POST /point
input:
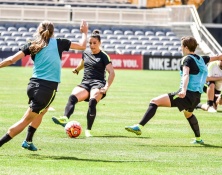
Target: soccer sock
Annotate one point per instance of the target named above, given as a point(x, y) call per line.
point(30, 133)
point(70, 106)
point(91, 115)
point(210, 102)
point(194, 125)
point(149, 114)
point(5, 139)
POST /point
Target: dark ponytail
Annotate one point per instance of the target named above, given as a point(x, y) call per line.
point(96, 34)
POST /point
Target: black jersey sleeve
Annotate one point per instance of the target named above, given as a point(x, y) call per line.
point(206, 59)
point(63, 45)
point(106, 58)
point(25, 49)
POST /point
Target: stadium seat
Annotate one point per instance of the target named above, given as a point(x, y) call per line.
point(176, 53)
point(126, 51)
point(118, 32)
point(2, 28)
point(115, 42)
point(59, 35)
point(162, 48)
point(27, 34)
point(120, 47)
point(22, 29)
point(143, 38)
point(147, 43)
point(173, 48)
point(169, 33)
point(6, 48)
point(5, 33)
point(149, 33)
point(153, 38)
point(128, 32)
point(105, 42)
point(108, 32)
point(166, 53)
point(164, 38)
point(12, 29)
point(136, 52)
point(32, 29)
point(3, 43)
point(135, 42)
point(16, 34)
point(145, 52)
point(174, 38)
point(157, 43)
point(141, 47)
point(64, 30)
point(156, 53)
point(75, 31)
point(122, 37)
point(139, 33)
point(112, 37)
point(160, 33)
point(133, 38)
point(151, 48)
point(125, 42)
point(9, 38)
point(12, 43)
point(167, 43)
point(130, 47)
point(15, 48)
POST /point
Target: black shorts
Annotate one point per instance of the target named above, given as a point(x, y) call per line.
point(188, 103)
point(215, 90)
point(41, 94)
point(93, 84)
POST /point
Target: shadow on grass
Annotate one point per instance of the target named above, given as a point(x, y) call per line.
point(44, 157)
point(112, 136)
point(186, 146)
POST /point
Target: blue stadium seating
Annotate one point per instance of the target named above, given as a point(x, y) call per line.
point(129, 40)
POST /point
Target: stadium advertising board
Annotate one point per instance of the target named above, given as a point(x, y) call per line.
point(6, 54)
point(161, 63)
point(70, 60)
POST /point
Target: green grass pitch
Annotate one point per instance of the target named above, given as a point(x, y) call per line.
point(163, 148)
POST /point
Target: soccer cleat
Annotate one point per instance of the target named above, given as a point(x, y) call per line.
point(60, 120)
point(211, 109)
point(135, 129)
point(87, 133)
point(29, 145)
point(197, 142)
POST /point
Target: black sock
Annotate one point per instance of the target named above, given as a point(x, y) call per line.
point(30, 133)
point(70, 106)
point(149, 114)
point(5, 139)
point(194, 125)
point(91, 114)
point(210, 102)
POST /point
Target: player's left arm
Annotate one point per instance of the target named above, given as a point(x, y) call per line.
point(110, 70)
point(12, 59)
point(214, 58)
point(185, 80)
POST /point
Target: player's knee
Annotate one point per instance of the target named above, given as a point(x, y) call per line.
point(92, 106)
point(73, 99)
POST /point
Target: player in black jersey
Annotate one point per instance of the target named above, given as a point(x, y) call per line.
point(93, 86)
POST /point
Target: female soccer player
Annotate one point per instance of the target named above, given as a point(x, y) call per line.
point(93, 86)
point(46, 53)
point(193, 73)
point(213, 87)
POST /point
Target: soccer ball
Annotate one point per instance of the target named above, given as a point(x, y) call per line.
point(73, 129)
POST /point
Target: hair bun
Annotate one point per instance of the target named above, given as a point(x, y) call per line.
point(96, 32)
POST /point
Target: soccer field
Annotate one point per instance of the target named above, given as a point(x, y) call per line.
point(163, 148)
